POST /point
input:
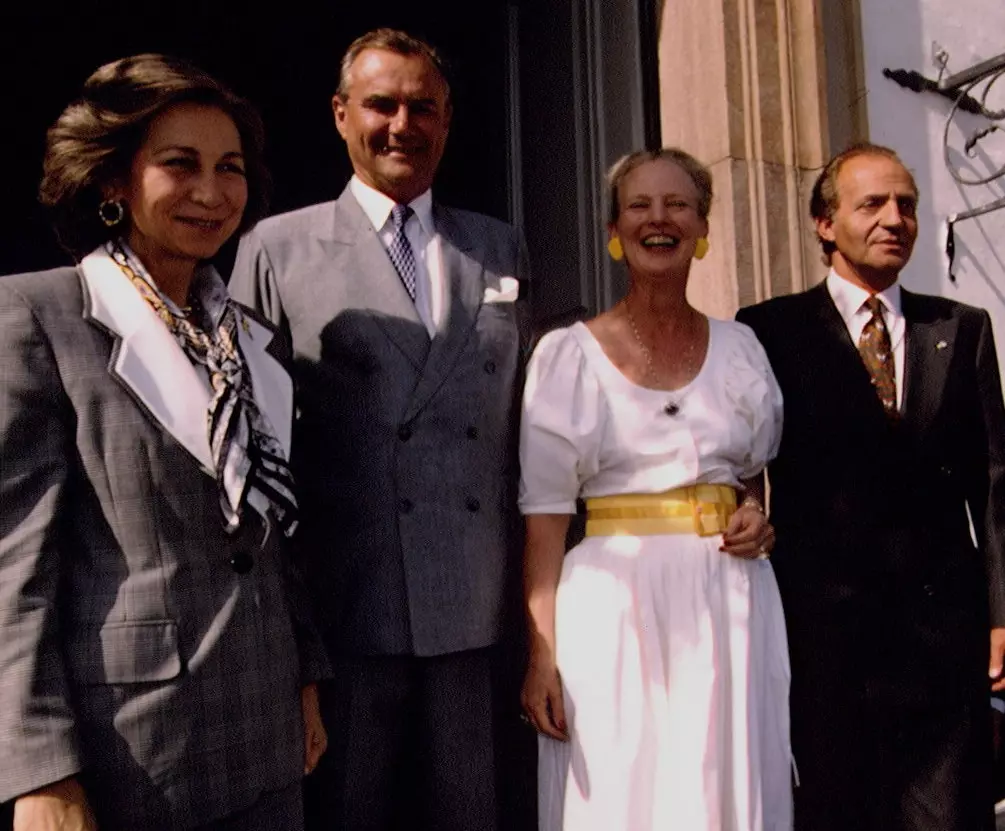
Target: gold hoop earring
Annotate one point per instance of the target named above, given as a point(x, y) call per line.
point(701, 248)
point(615, 250)
point(112, 212)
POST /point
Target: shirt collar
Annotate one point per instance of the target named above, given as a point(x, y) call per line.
point(849, 298)
point(377, 206)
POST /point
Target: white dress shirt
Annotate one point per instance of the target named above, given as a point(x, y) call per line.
point(850, 301)
point(421, 235)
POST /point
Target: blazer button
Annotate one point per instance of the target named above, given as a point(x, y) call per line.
point(928, 589)
point(404, 432)
point(472, 432)
point(405, 506)
point(473, 504)
point(241, 562)
point(490, 367)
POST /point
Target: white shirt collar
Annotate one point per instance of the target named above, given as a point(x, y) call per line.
point(377, 206)
point(849, 298)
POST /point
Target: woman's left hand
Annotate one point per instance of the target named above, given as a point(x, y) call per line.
point(315, 736)
point(749, 534)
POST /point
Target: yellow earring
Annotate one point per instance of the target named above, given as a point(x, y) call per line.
point(701, 248)
point(615, 250)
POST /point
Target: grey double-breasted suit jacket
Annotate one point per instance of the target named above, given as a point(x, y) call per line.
point(142, 648)
point(405, 445)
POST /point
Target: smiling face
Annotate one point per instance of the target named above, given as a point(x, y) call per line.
point(394, 119)
point(187, 191)
point(658, 221)
point(875, 223)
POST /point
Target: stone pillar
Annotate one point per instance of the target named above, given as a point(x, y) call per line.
point(744, 86)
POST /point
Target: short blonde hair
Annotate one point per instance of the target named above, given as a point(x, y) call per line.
point(699, 174)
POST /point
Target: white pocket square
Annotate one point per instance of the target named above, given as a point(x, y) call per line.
point(508, 291)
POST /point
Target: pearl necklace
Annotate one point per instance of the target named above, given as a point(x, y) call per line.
point(672, 407)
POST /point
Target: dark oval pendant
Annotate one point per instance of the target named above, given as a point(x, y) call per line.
point(672, 408)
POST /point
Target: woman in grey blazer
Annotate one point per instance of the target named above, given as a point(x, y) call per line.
point(156, 664)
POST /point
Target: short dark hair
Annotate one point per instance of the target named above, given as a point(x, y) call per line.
point(391, 40)
point(93, 142)
point(824, 197)
point(699, 174)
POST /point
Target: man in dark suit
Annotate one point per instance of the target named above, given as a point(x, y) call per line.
point(403, 319)
point(894, 431)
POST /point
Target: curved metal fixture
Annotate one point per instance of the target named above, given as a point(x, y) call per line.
point(965, 83)
point(961, 87)
point(994, 73)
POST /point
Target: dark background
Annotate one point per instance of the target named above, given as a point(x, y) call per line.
point(282, 55)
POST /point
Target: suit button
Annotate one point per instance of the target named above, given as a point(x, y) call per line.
point(473, 504)
point(946, 470)
point(490, 367)
point(404, 432)
point(241, 562)
point(405, 506)
point(472, 433)
point(928, 589)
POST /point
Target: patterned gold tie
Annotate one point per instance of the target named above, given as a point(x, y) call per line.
point(875, 348)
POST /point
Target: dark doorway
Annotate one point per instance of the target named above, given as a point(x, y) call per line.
point(283, 56)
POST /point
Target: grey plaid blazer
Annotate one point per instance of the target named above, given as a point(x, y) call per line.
point(405, 446)
point(141, 647)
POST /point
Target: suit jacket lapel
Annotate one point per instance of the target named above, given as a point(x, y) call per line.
point(146, 359)
point(929, 350)
point(464, 284)
point(381, 290)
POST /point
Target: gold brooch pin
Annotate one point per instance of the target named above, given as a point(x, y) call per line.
point(247, 328)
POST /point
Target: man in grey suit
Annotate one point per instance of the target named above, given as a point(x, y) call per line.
point(403, 318)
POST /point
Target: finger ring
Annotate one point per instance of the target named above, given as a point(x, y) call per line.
point(762, 554)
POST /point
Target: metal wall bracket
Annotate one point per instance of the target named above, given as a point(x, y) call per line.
point(979, 71)
point(957, 87)
point(916, 82)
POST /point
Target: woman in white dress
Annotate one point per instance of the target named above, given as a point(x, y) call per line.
point(658, 673)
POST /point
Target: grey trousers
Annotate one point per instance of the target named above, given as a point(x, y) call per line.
point(410, 745)
point(281, 810)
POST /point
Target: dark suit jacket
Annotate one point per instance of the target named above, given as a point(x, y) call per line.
point(883, 587)
point(141, 647)
point(405, 446)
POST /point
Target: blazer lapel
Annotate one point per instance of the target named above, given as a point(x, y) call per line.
point(464, 284)
point(272, 385)
point(929, 350)
point(146, 359)
point(380, 288)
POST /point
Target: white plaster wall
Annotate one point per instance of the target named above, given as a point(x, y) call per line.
point(898, 34)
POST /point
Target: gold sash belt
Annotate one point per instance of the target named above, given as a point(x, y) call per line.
point(699, 509)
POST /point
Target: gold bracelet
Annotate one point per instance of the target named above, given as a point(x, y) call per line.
point(752, 502)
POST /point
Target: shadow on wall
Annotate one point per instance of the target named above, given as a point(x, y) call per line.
point(902, 34)
point(966, 260)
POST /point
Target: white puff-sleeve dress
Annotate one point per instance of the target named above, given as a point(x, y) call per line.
point(672, 654)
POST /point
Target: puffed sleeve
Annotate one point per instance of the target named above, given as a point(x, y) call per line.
point(561, 427)
point(756, 397)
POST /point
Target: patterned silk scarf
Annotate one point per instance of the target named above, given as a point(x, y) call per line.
point(245, 450)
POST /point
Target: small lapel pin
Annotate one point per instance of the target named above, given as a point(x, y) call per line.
point(941, 345)
point(247, 328)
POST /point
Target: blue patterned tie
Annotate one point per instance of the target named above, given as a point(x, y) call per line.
point(400, 250)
